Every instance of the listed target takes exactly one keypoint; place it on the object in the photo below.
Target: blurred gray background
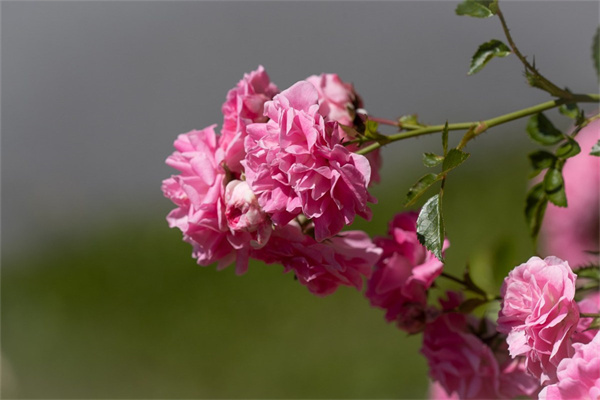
(100, 299)
(94, 93)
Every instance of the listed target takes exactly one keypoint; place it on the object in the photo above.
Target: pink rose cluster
(543, 323)
(466, 356)
(277, 184)
(543, 345)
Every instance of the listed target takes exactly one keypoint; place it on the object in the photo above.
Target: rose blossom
(463, 365)
(578, 376)
(570, 233)
(295, 164)
(403, 274)
(539, 314)
(244, 105)
(338, 102)
(198, 192)
(337, 99)
(343, 259)
(219, 224)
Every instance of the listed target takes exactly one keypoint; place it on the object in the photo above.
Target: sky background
(94, 93)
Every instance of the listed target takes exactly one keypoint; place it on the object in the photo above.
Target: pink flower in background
(464, 366)
(246, 220)
(344, 259)
(578, 376)
(589, 305)
(244, 105)
(295, 164)
(437, 392)
(570, 233)
(403, 274)
(338, 102)
(539, 314)
(458, 360)
(514, 382)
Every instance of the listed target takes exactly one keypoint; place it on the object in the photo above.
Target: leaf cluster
(430, 223)
(552, 187)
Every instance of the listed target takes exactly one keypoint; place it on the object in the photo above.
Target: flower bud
(244, 214)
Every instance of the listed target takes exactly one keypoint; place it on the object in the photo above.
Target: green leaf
(589, 271)
(594, 325)
(371, 129)
(535, 207)
(569, 110)
(430, 226)
(477, 8)
(596, 149)
(554, 186)
(541, 130)
(411, 119)
(453, 159)
(596, 51)
(431, 160)
(445, 139)
(485, 52)
(541, 159)
(419, 188)
(350, 131)
(580, 118)
(568, 149)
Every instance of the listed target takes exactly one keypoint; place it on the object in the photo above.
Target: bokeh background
(100, 299)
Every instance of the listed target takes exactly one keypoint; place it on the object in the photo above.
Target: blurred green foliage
(124, 312)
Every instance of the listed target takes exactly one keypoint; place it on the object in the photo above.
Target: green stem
(470, 288)
(589, 315)
(482, 126)
(453, 278)
(585, 123)
(539, 80)
(384, 121)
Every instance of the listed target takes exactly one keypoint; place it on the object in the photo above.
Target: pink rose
(578, 376)
(344, 259)
(244, 105)
(463, 365)
(337, 99)
(198, 191)
(245, 218)
(295, 164)
(338, 102)
(539, 314)
(403, 274)
(571, 233)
